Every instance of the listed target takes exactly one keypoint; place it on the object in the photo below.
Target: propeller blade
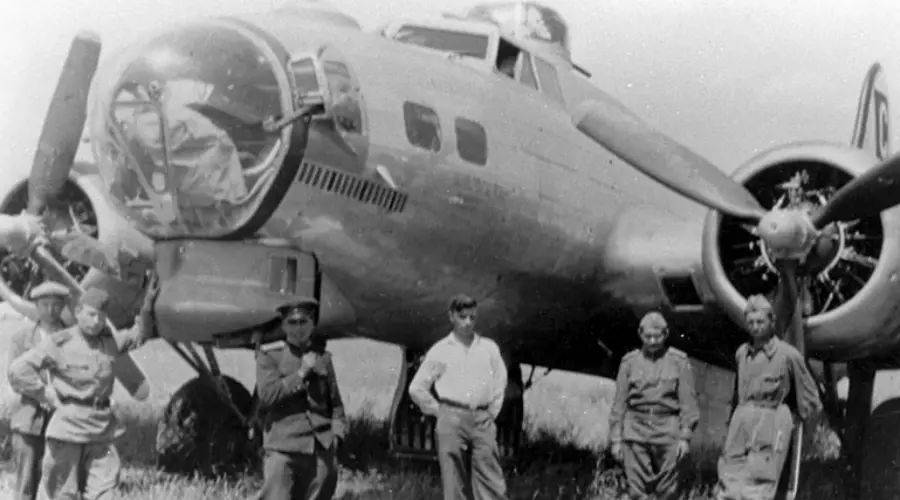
(788, 313)
(64, 123)
(617, 129)
(869, 194)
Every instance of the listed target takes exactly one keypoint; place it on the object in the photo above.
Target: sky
(728, 79)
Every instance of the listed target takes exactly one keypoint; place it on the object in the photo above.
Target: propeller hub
(787, 234)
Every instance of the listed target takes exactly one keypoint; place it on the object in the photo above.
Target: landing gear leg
(206, 424)
(412, 433)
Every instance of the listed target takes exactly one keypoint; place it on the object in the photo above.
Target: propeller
(64, 124)
(790, 234)
(869, 194)
(24, 234)
(616, 128)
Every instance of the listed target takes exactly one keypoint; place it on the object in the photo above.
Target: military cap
(49, 289)
(96, 298)
(299, 303)
(758, 303)
(653, 319)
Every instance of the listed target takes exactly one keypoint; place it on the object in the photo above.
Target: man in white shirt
(469, 376)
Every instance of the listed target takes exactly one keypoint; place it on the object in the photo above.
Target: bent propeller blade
(64, 123)
(619, 130)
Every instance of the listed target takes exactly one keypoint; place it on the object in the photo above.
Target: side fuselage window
(471, 141)
(423, 128)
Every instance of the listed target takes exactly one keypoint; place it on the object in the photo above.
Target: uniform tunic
(81, 374)
(655, 407)
(83, 426)
(28, 418)
(303, 417)
(759, 434)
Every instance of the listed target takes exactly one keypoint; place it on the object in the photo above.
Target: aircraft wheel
(199, 433)
(880, 451)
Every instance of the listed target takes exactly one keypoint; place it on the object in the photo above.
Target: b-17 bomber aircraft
(255, 159)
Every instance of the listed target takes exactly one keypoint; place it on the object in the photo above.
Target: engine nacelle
(852, 297)
(84, 207)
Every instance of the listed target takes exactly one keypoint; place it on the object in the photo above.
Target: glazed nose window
(177, 130)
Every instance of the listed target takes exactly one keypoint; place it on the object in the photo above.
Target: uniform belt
(96, 403)
(655, 411)
(768, 405)
(462, 406)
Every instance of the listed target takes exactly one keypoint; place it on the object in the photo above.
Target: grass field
(566, 429)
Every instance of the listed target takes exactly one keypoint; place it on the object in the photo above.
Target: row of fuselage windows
(423, 130)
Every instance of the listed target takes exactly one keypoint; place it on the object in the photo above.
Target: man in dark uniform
(80, 456)
(762, 421)
(29, 419)
(654, 412)
(302, 411)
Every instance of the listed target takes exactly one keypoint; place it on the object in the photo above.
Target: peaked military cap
(299, 303)
(49, 289)
(96, 298)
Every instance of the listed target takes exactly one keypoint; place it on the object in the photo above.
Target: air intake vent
(283, 275)
(351, 186)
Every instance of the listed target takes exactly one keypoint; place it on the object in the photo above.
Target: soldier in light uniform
(759, 434)
(302, 412)
(29, 419)
(80, 456)
(654, 412)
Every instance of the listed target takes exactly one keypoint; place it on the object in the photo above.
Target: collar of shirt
(655, 356)
(768, 348)
(452, 339)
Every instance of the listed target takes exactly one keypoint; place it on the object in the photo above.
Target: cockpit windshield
(177, 130)
(458, 42)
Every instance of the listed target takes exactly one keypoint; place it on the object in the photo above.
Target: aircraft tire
(880, 452)
(199, 433)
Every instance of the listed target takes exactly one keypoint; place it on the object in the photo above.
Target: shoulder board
(630, 354)
(62, 336)
(678, 353)
(741, 349)
(272, 346)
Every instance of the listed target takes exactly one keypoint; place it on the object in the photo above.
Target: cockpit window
(458, 42)
(507, 55)
(178, 131)
(526, 71)
(549, 79)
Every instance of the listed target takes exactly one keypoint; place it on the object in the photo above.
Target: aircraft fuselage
(555, 236)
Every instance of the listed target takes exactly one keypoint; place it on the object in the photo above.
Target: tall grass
(563, 457)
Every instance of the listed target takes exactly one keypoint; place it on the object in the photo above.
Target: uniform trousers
(459, 432)
(28, 451)
(295, 476)
(89, 468)
(651, 468)
(755, 452)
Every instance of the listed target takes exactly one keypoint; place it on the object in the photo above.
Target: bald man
(654, 413)
(762, 419)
